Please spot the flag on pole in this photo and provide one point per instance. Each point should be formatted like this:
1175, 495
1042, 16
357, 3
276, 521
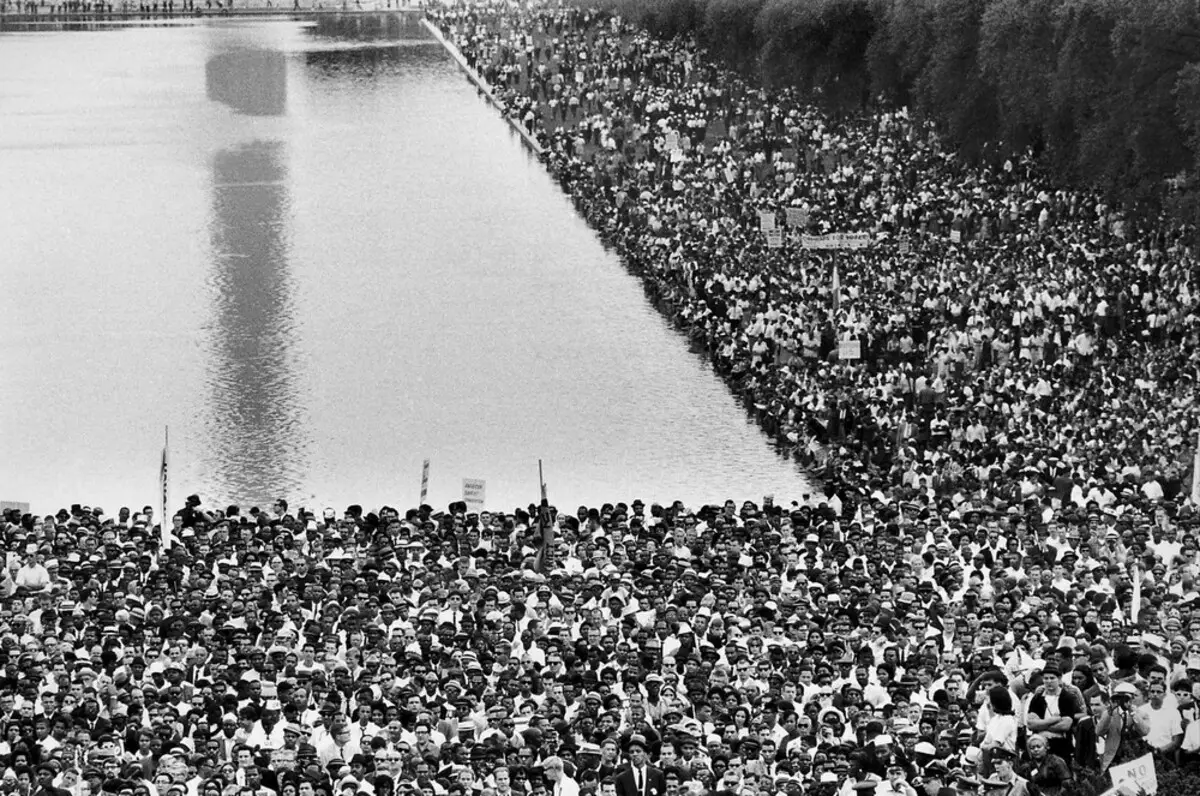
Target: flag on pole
1196, 474
424, 481
164, 523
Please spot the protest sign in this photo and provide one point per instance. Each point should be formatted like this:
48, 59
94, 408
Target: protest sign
955, 236
850, 349
796, 216
774, 238
837, 240
766, 220
473, 494
1140, 772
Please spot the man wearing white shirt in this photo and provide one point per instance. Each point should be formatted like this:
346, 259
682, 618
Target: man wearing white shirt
1152, 489
559, 783
1165, 724
1167, 547
267, 732
32, 576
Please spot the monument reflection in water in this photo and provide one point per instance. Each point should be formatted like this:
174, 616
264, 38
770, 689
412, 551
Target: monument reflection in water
254, 411
320, 260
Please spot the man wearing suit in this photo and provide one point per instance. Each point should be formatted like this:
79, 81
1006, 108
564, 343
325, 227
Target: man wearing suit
640, 778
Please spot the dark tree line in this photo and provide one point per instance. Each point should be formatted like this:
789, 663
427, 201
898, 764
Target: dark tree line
1103, 93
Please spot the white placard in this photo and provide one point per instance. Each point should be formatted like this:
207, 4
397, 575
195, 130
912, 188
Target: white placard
1140, 772
837, 240
473, 494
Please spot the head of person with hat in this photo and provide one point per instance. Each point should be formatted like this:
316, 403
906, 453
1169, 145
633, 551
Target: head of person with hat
1004, 778
640, 778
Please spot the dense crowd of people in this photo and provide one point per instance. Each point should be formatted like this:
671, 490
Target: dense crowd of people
994, 591
996, 314
1007, 373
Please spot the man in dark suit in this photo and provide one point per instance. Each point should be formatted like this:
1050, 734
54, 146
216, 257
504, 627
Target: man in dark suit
640, 778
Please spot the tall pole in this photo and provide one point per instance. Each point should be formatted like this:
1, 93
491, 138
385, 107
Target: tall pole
164, 533
545, 524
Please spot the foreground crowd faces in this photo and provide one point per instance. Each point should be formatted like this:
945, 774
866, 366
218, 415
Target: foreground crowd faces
830, 645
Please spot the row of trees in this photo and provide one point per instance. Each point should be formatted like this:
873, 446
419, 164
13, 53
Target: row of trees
1105, 93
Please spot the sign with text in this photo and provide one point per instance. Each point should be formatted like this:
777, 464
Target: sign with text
774, 238
905, 247
474, 490
850, 349
1139, 772
837, 240
796, 216
424, 481
766, 220
955, 236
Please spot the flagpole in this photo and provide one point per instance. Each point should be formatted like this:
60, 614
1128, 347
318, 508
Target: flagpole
163, 532
544, 523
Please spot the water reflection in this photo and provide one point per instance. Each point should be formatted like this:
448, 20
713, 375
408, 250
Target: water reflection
359, 269
358, 27
253, 82
254, 409
372, 62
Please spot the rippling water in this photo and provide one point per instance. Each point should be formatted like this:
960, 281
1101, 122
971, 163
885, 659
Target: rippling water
319, 263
